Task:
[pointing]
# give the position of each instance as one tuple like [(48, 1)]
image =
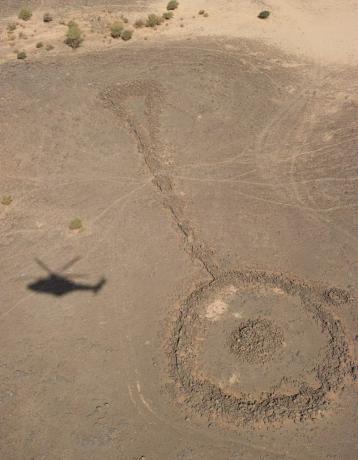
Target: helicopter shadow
[(58, 284)]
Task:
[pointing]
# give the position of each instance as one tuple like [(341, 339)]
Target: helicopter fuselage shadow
[(58, 285)]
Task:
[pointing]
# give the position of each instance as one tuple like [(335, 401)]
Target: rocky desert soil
[(179, 231)]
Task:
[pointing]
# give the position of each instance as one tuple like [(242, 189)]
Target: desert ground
[(179, 231)]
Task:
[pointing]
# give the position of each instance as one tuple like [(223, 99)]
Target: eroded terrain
[(216, 182)]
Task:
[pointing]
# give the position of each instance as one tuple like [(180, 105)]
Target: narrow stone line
[(150, 149)]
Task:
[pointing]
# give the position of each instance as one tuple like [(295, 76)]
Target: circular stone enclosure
[(258, 326)]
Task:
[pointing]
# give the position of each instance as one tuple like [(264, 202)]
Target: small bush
[(264, 14), (206, 15), (168, 15), (39, 45), (126, 34), (75, 224), (74, 36), (201, 12), (6, 200), (12, 26), (172, 5), (21, 55), (153, 20), (116, 29), (47, 17), (23, 35), (139, 23), (49, 47), (24, 14)]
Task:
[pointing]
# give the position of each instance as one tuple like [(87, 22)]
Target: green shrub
[(172, 5), (21, 55), (75, 224), (139, 23), (74, 35), (47, 17), (24, 14), (39, 45), (168, 15), (126, 34), (12, 26), (6, 200), (153, 20), (264, 14), (116, 29)]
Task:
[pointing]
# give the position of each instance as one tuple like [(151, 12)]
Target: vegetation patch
[(116, 29), (24, 14), (139, 23), (47, 17), (126, 35), (6, 200), (264, 14), (12, 26), (74, 36), (168, 15), (172, 5), (75, 224), (39, 45), (21, 55), (153, 20)]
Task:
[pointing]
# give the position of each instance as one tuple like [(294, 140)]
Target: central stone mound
[(255, 341)]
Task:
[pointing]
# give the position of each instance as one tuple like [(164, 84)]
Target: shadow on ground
[(58, 285)]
